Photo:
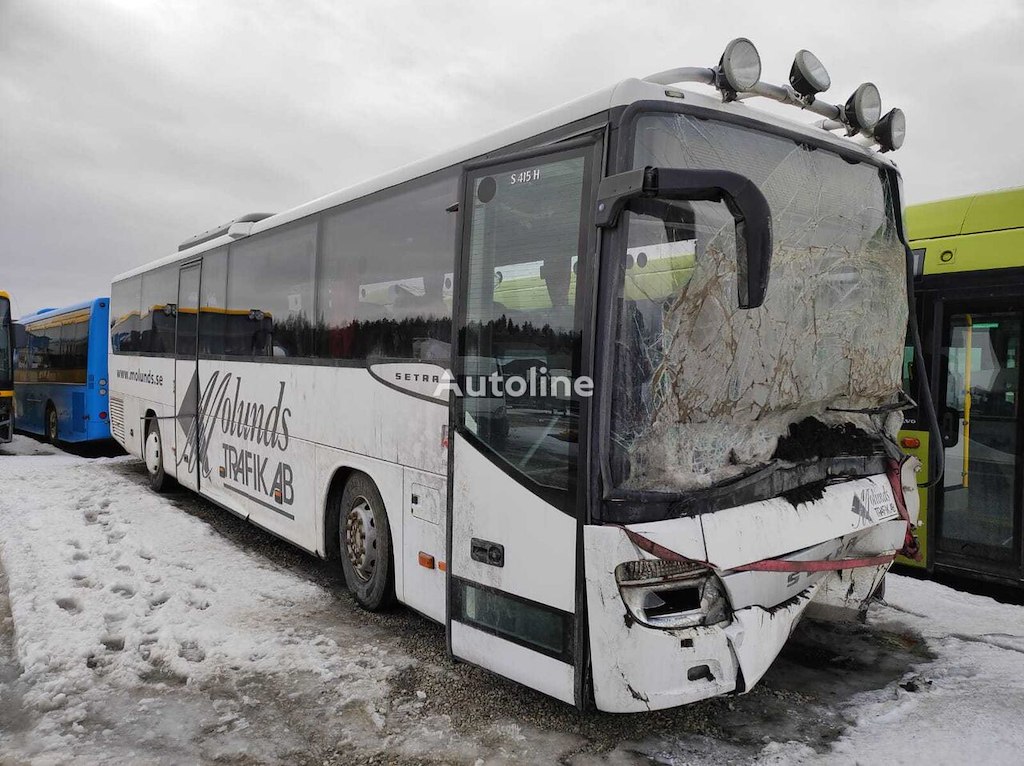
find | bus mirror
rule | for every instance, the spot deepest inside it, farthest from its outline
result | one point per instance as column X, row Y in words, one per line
column 745, row 202
column 20, row 338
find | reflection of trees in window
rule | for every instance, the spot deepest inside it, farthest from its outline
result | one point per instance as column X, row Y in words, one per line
column 57, row 353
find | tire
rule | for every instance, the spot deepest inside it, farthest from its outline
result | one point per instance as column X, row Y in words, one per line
column 52, row 425
column 364, row 538
column 152, row 453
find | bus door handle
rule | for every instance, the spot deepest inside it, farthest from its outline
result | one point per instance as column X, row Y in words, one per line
column 487, row 552
column 950, row 425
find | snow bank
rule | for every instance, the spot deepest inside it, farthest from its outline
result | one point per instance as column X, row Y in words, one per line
column 965, row 706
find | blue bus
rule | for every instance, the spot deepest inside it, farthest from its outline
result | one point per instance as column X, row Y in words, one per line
column 60, row 373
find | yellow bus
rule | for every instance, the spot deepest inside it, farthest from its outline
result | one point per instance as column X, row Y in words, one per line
column 969, row 283
column 6, row 369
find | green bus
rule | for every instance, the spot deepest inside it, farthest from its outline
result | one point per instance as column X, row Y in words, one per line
column 969, row 286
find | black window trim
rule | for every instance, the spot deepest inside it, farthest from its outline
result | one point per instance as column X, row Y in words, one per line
column 568, row 653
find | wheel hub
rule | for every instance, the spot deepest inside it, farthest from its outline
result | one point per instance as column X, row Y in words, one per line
column 361, row 539
column 153, row 452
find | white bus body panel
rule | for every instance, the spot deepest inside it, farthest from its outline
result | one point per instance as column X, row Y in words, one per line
column 540, row 541
column 144, row 384
column 315, row 421
column 545, row 674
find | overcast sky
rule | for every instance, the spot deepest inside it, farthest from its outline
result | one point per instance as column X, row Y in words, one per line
column 127, row 126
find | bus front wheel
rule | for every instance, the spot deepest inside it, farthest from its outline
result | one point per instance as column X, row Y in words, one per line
column 365, row 544
column 154, row 456
column 52, row 427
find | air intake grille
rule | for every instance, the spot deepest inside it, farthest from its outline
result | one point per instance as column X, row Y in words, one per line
column 117, row 419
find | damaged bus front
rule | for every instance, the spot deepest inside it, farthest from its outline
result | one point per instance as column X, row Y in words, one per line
column 747, row 457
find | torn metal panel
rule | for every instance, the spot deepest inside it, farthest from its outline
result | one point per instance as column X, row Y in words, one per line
column 703, row 389
column 636, row 668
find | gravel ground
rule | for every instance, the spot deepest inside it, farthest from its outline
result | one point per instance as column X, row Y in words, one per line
column 799, row 699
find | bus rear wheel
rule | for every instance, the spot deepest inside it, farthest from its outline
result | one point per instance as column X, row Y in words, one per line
column 154, row 457
column 52, row 425
column 365, row 544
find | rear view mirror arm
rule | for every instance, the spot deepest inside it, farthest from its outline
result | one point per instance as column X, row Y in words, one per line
column 746, row 203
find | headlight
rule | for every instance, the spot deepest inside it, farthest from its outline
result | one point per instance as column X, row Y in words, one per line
column 863, row 108
column 670, row 594
column 740, row 66
column 808, row 75
column 891, row 130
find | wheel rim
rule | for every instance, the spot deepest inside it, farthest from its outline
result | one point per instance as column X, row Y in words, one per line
column 51, row 422
column 361, row 539
column 153, row 451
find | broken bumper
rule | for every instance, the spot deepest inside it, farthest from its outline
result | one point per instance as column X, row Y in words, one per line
column 639, row 667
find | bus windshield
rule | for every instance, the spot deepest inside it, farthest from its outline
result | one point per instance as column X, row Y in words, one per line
column 6, row 332
column 704, row 390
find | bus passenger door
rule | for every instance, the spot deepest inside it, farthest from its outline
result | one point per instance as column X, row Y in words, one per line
column 186, row 378
column 979, row 523
column 512, row 586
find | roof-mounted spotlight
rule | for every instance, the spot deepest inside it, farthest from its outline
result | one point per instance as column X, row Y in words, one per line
column 863, row 109
column 808, row 75
column 739, row 68
column 891, row 130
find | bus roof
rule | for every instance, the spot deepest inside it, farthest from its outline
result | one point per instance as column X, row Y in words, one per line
column 5, row 294
column 44, row 314
column 624, row 93
column 974, row 214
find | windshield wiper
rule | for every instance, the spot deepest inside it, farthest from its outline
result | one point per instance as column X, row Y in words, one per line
column 903, row 403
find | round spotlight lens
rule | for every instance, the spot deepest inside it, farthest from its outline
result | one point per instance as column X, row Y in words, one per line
column 808, row 75
column 864, row 107
column 740, row 65
column 891, row 130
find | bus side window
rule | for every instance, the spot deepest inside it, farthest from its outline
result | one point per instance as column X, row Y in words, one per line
column 270, row 293
column 213, row 316
column 386, row 275
column 125, row 297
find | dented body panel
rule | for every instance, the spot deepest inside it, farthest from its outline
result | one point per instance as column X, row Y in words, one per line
column 639, row 667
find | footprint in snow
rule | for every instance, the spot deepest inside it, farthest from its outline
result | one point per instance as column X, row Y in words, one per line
column 69, row 604
column 79, row 556
column 113, row 618
column 123, row 589
column 191, row 651
column 197, row 602
column 113, row 643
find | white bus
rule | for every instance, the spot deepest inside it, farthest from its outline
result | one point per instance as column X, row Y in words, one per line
column 646, row 546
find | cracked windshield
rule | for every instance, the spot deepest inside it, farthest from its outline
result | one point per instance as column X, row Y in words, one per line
column 704, row 390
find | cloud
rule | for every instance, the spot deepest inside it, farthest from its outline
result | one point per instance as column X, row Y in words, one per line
column 127, row 127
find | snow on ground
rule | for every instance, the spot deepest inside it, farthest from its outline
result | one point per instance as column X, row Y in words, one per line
column 112, row 590
column 966, row 705
column 144, row 628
